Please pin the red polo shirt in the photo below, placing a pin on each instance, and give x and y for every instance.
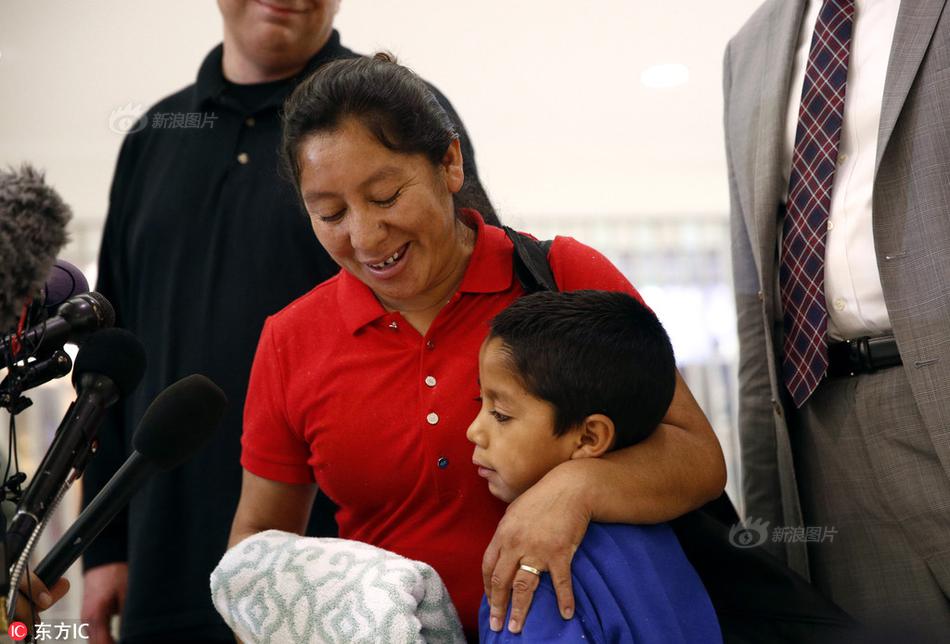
(351, 396)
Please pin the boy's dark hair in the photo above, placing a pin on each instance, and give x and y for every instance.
(590, 352)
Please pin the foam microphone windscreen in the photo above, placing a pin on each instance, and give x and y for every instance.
(114, 353)
(33, 222)
(180, 420)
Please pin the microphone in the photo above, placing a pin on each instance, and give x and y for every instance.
(177, 424)
(75, 319)
(109, 364)
(63, 282)
(32, 374)
(32, 231)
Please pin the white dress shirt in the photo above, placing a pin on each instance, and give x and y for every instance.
(855, 298)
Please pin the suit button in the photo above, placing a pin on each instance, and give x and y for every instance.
(777, 408)
(761, 296)
(432, 418)
(430, 381)
(430, 345)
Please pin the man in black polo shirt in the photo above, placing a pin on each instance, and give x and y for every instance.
(202, 241)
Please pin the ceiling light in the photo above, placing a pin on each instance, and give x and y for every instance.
(665, 76)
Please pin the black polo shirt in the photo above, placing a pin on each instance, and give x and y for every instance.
(202, 241)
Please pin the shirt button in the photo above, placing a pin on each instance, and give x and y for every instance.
(831, 225)
(432, 418)
(842, 158)
(761, 296)
(249, 121)
(394, 325)
(243, 158)
(840, 304)
(430, 381)
(430, 345)
(442, 462)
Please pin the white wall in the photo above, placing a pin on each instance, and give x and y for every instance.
(550, 91)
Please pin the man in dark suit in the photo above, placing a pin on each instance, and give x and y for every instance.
(837, 120)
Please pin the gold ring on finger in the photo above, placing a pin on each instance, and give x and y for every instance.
(531, 569)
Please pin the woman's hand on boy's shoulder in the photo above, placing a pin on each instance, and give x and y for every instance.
(541, 529)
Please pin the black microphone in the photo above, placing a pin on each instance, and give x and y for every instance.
(63, 282)
(109, 364)
(177, 424)
(32, 374)
(32, 231)
(75, 319)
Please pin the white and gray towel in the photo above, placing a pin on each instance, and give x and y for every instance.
(277, 587)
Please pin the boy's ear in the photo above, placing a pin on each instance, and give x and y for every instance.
(594, 436)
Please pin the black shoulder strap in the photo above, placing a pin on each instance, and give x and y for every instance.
(530, 262)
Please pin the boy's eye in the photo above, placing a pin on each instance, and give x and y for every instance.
(500, 417)
(389, 201)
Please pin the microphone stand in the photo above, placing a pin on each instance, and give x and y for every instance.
(19, 379)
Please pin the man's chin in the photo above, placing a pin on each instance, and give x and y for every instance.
(276, 48)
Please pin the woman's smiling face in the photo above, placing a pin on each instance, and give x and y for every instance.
(386, 217)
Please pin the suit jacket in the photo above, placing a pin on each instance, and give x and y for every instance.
(911, 227)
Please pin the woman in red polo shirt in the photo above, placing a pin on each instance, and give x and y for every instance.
(365, 386)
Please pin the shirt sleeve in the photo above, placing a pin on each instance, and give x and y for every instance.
(577, 266)
(270, 447)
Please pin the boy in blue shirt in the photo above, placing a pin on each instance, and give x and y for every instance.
(575, 375)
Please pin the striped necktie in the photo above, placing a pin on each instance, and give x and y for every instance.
(814, 157)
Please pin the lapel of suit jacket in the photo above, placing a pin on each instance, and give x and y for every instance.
(773, 106)
(916, 22)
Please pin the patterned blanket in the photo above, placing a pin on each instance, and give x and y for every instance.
(280, 587)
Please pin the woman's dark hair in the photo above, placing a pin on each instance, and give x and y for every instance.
(395, 105)
(591, 352)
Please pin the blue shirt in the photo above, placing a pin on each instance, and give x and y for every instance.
(631, 584)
